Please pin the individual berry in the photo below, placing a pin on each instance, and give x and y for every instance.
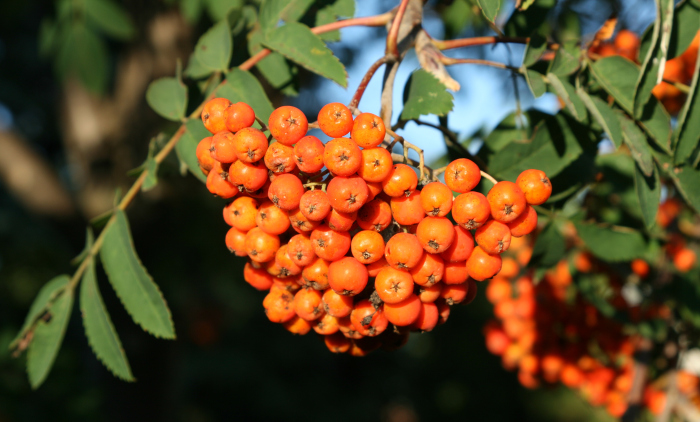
(307, 304)
(392, 285)
(525, 223)
(308, 154)
(300, 250)
(368, 130)
(204, 158)
(214, 114)
(326, 325)
(340, 221)
(223, 147)
(436, 234)
(507, 201)
(499, 289)
(257, 277)
(402, 180)
(337, 343)
(336, 304)
(288, 124)
(250, 144)
(286, 191)
(279, 158)
(493, 237)
(300, 223)
(347, 194)
(430, 270)
(239, 116)
(436, 199)
(640, 267)
(453, 294)
(455, 273)
(279, 305)
(315, 274)
(251, 176)
(470, 210)
(375, 188)
(461, 247)
(481, 265)
(260, 246)
(298, 326)
(407, 209)
(684, 260)
(235, 241)
(367, 246)
(374, 215)
(462, 175)
(315, 205)
(403, 251)
(287, 266)
(535, 185)
(271, 219)
(376, 164)
(330, 244)
(218, 183)
(427, 317)
(241, 213)
(367, 320)
(428, 294)
(335, 120)
(347, 276)
(342, 157)
(404, 313)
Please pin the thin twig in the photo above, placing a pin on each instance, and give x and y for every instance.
(488, 177)
(474, 41)
(355, 102)
(448, 61)
(392, 45)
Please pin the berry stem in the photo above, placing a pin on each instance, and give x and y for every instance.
(365, 81)
(262, 124)
(448, 61)
(488, 177)
(314, 184)
(392, 46)
(469, 42)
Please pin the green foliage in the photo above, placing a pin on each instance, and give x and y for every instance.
(603, 115)
(490, 8)
(168, 97)
(425, 94)
(687, 133)
(214, 48)
(45, 296)
(242, 86)
(186, 148)
(549, 248)
(649, 193)
(139, 294)
(109, 18)
(332, 12)
(612, 244)
(567, 93)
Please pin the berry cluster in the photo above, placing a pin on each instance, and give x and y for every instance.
(679, 69)
(363, 244)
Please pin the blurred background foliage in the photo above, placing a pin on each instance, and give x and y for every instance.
(74, 120)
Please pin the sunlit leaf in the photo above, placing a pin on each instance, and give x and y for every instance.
(425, 95)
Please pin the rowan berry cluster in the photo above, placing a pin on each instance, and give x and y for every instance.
(364, 244)
(550, 332)
(679, 69)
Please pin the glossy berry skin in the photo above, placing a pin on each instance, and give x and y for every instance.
(335, 120)
(368, 130)
(250, 144)
(347, 194)
(288, 124)
(308, 154)
(507, 201)
(392, 285)
(347, 276)
(436, 199)
(223, 147)
(470, 210)
(286, 191)
(462, 175)
(214, 115)
(402, 180)
(403, 313)
(342, 157)
(238, 116)
(482, 265)
(493, 237)
(535, 185)
(403, 251)
(525, 224)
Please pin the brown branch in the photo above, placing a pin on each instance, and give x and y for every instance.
(474, 41)
(355, 102)
(448, 61)
(392, 46)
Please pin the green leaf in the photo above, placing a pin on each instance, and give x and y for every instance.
(490, 8)
(604, 115)
(298, 8)
(191, 10)
(524, 23)
(219, 9)
(567, 93)
(151, 169)
(100, 332)
(134, 286)
(296, 42)
(48, 31)
(554, 146)
(45, 295)
(687, 133)
(426, 95)
(686, 178)
(109, 18)
(331, 13)
(611, 244)
(649, 192)
(242, 86)
(536, 46)
(168, 97)
(653, 66)
(549, 248)
(195, 70)
(510, 129)
(535, 81)
(565, 62)
(186, 148)
(214, 48)
(47, 339)
(274, 67)
(685, 26)
(271, 13)
(83, 54)
(637, 143)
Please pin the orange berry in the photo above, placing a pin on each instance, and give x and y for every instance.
(404, 313)
(347, 194)
(374, 268)
(214, 114)
(279, 305)
(462, 175)
(298, 326)
(376, 164)
(430, 293)
(436, 199)
(335, 120)
(684, 260)
(239, 116)
(204, 158)
(461, 247)
(337, 305)
(392, 285)
(287, 266)
(341, 221)
(470, 210)
(454, 293)
(260, 246)
(288, 124)
(223, 147)
(235, 241)
(687, 383)
(286, 191)
(493, 237)
(455, 273)
(374, 215)
(342, 157)
(367, 246)
(279, 158)
(218, 183)
(496, 340)
(407, 209)
(251, 176)
(525, 223)
(368, 130)
(498, 290)
(257, 277)
(435, 234)
(241, 213)
(250, 144)
(402, 180)
(509, 267)
(507, 201)
(300, 223)
(300, 250)
(444, 310)
(427, 317)
(640, 267)
(307, 304)
(403, 251)
(471, 292)
(330, 244)
(347, 276)
(315, 274)
(535, 185)
(271, 219)
(326, 325)
(375, 188)
(315, 205)
(481, 265)
(626, 40)
(308, 154)
(571, 376)
(337, 343)
(367, 320)
(429, 270)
